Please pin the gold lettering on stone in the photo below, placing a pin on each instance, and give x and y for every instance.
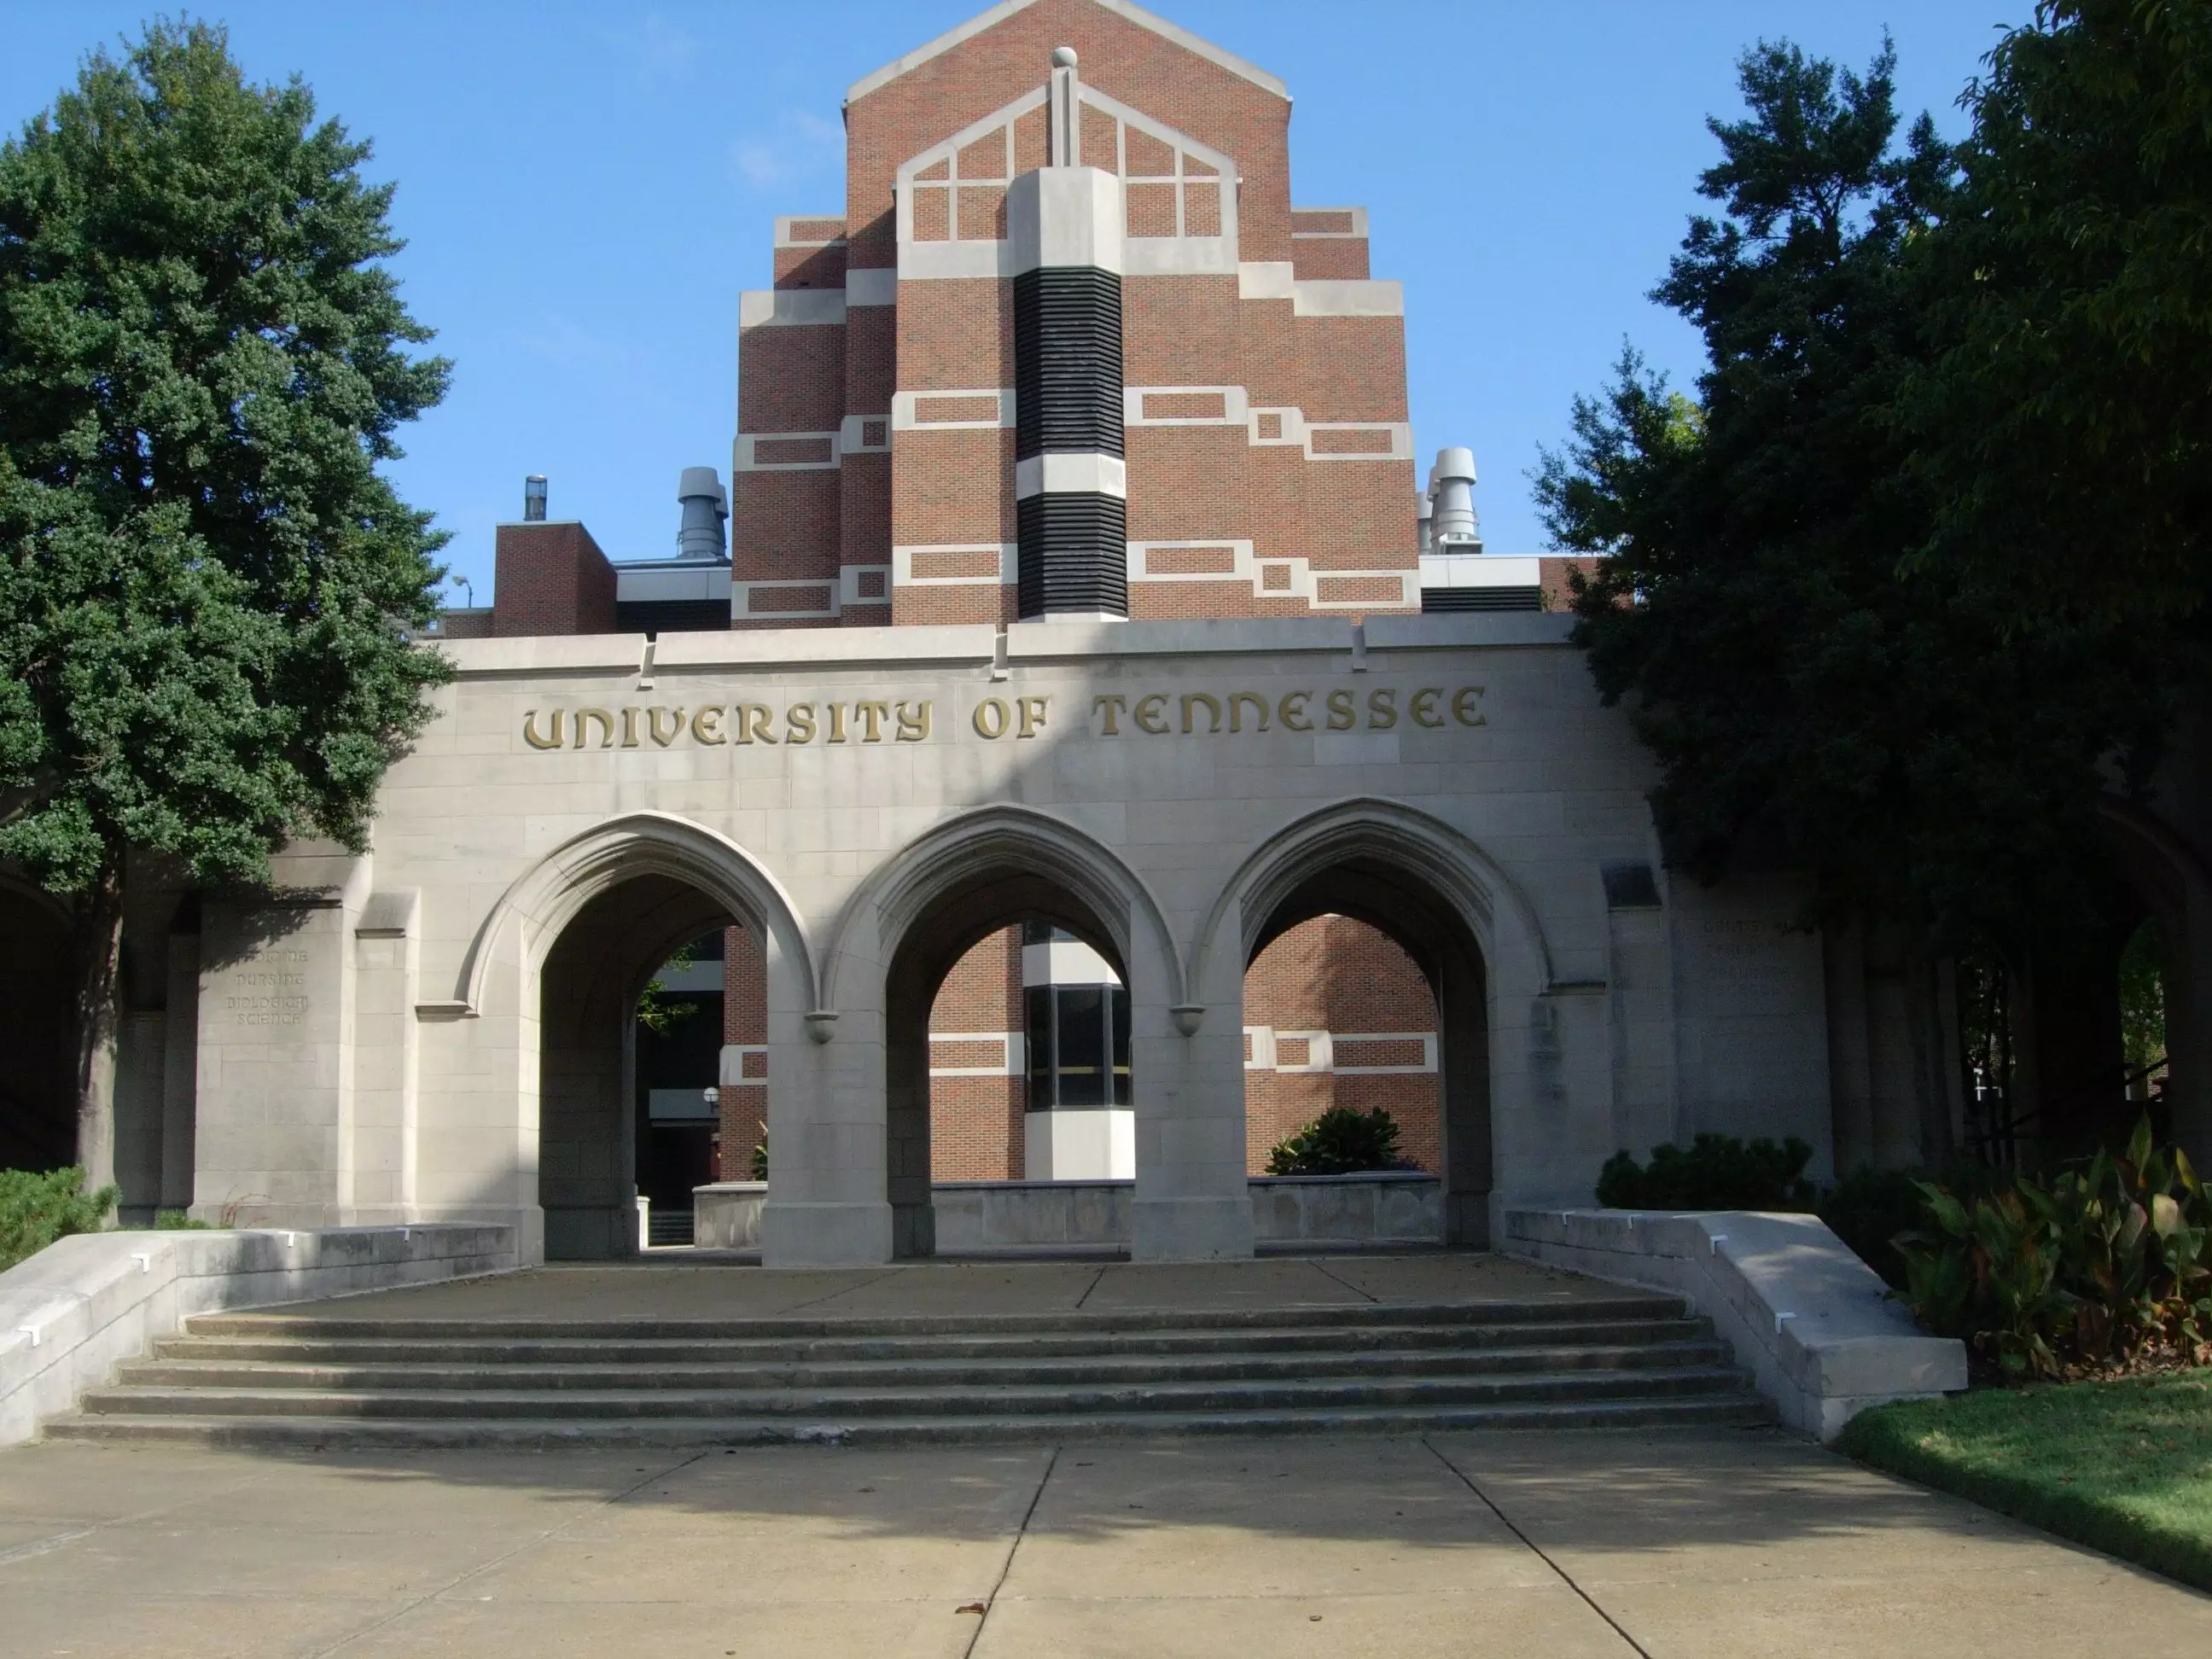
(1111, 707)
(754, 719)
(1463, 706)
(675, 724)
(1032, 713)
(706, 724)
(1423, 707)
(1151, 714)
(990, 719)
(1236, 701)
(798, 723)
(606, 726)
(1340, 711)
(872, 715)
(629, 728)
(530, 730)
(1190, 701)
(836, 723)
(914, 727)
(1291, 711)
(1382, 710)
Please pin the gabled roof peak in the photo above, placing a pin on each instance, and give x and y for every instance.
(1121, 9)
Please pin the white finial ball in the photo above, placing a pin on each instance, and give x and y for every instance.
(1063, 57)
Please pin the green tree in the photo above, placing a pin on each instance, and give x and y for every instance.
(2065, 426)
(1815, 698)
(205, 585)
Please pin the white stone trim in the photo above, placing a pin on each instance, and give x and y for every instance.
(852, 436)
(1236, 404)
(1249, 567)
(1357, 232)
(1480, 570)
(1013, 1044)
(1058, 473)
(790, 307)
(1345, 297)
(849, 585)
(903, 565)
(905, 409)
(730, 1072)
(1401, 440)
(871, 285)
(784, 222)
(1266, 279)
(745, 459)
(1320, 1052)
(876, 79)
(1293, 435)
(1066, 962)
(741, 600)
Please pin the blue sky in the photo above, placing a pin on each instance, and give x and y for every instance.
(586, 188)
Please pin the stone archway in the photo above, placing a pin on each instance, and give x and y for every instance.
(1473, 933)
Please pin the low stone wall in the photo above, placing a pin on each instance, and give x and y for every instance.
(1381, 1208)
(71, 1313)
(726, 1215)
(1811, 1322)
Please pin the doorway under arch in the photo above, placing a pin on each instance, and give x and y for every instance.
(604, 1135)
(1372, 915)
(967, 1059)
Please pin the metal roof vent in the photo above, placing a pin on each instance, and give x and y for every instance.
(1453, 528)
(533, 499)
(1425, 511)
(705, 504)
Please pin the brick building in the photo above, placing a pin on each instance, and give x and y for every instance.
(1071, 349)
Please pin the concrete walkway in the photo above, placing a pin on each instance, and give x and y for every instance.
(1687, 1544)
(660, 1289)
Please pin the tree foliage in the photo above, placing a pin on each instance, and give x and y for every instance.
(2065, 425)
(204, 582)
(1817, 695)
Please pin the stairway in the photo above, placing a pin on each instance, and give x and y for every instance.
(322, 1380)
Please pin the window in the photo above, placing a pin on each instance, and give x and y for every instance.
(1078, 1043)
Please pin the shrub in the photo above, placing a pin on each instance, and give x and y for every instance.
(177, 1221)
(2109, 1264)
(1718, 1172)
(760, 1158)
(39, 1206)
(1342, 1140)
(1868, 1209)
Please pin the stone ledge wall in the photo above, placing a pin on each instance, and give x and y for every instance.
(1811, 1322)
(81, 1306)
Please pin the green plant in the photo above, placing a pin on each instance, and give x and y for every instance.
(176, 1221)
(39, 1206)
(760, 1157)
(1715, 1172)
(2108, 1264)
(1342, 1140)
(657, 1011)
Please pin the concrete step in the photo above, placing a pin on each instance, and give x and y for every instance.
(1631, 1305)
(460, 1350)
(1737, 1409)
(207, 1373)
(1321, 1394)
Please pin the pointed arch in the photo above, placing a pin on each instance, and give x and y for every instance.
(1372, 827)
(544, 898)
(1001, 837)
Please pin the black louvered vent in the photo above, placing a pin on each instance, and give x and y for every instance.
(1067, 362)
(1434, 599)
(1074, 553)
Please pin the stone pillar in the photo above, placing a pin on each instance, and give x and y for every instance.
(387, 949)
(1192, 1201)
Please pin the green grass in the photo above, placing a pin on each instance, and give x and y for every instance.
(2125, 1467)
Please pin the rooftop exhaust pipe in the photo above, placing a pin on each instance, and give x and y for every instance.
(699, 491)
(1424, 512)
(1453, 528)
(533, 499)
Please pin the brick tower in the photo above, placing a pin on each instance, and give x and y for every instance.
(1071, 349)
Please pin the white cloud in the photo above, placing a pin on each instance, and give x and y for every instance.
(656, 48)
(802, 146)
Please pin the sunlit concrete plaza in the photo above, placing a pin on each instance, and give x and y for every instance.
(1664, 1542)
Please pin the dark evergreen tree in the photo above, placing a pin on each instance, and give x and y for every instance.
(205, 585)
(1817, 695)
